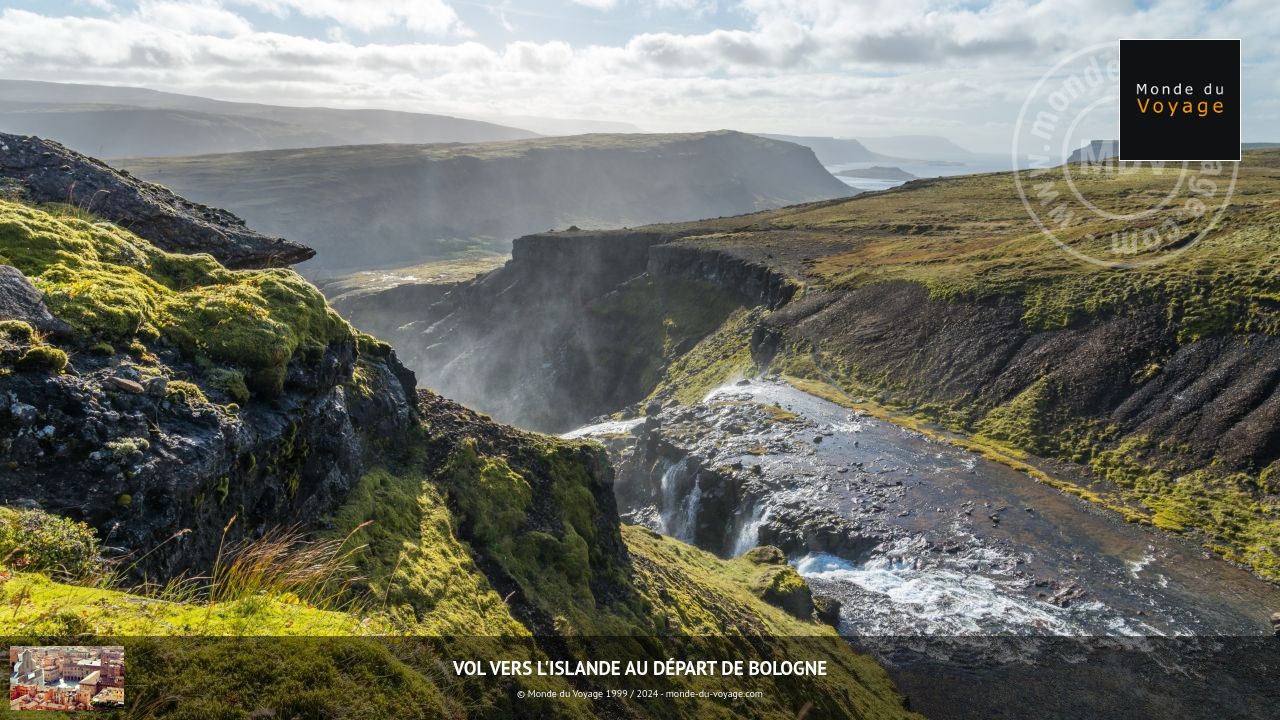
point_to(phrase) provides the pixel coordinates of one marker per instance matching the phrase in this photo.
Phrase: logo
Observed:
(1096, 207)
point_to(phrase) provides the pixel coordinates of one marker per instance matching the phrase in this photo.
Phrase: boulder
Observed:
(20, 300)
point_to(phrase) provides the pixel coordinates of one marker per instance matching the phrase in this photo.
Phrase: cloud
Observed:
(801, 66)
(192, 16)
(426, 16)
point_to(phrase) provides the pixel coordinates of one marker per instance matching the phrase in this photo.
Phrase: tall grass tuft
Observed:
(283, 563)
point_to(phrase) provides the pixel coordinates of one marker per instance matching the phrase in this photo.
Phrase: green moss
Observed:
(719, 357)
(185, 392)
(34, 540)
(1023, 420)
(370, 345)
(102, 349)
(414, 565)
(125, 448)
(646, 325)
(783, 587)
(231, 382)
(42, 358)
(111, 285)
(115, 613)
(18, 331)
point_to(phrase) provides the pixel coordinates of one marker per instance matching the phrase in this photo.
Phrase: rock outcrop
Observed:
(42, 171)
(155, 396)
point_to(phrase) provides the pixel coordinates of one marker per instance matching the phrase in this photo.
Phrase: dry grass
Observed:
(284, 563)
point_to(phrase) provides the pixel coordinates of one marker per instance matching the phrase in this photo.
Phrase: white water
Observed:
(936, 601)
(612, 427)
(749, 535)
(689, 518)
(670, 501)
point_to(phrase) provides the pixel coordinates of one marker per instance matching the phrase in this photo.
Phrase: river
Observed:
(935, 543)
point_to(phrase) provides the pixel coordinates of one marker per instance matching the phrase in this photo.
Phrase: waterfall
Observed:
(689, 526)
(749, 534)
(670, 493)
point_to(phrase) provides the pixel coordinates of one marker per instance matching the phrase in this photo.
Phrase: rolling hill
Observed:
(108, 121)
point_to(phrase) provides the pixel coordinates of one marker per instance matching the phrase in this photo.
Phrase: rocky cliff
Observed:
(1150, 391)
(189, 450)
(150, 393)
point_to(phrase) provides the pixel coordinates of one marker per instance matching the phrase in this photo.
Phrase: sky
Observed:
(805, 67)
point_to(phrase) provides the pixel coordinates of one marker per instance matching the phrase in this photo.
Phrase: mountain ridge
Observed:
(411, 203)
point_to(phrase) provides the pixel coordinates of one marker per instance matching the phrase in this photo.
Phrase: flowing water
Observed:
(965, 546)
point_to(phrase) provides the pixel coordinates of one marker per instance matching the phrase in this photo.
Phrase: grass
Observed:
(284, 562)
(969, 238)
(660, 599)
(36, 541)
(485, 531)
(719, 357)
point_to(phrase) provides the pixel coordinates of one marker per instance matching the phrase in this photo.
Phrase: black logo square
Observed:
(1180, 100)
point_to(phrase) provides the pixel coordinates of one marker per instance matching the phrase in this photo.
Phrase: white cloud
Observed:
(800, 66)
(192, 16)
(597, 4)
(426, 16)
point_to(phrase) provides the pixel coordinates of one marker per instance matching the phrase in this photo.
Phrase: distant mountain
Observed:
(380, 206)
(563, 126)
(919, 147)
(108, 121)
(1096, 151)
(831, 151)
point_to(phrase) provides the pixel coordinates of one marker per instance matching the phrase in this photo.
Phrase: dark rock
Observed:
(157, 386)
(150, 211)
(20, 300)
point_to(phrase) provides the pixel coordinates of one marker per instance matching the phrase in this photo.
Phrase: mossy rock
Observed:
(17, 331)
(230, 382)
(42, 358)
(784, 588)
(186, 392)
(766, 555)
(112, 286)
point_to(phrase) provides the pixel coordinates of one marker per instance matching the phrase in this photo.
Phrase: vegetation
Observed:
(112, 286)
(716, 359)
(649, 324)
(36, 541)
(967, 239)
(42, 358)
